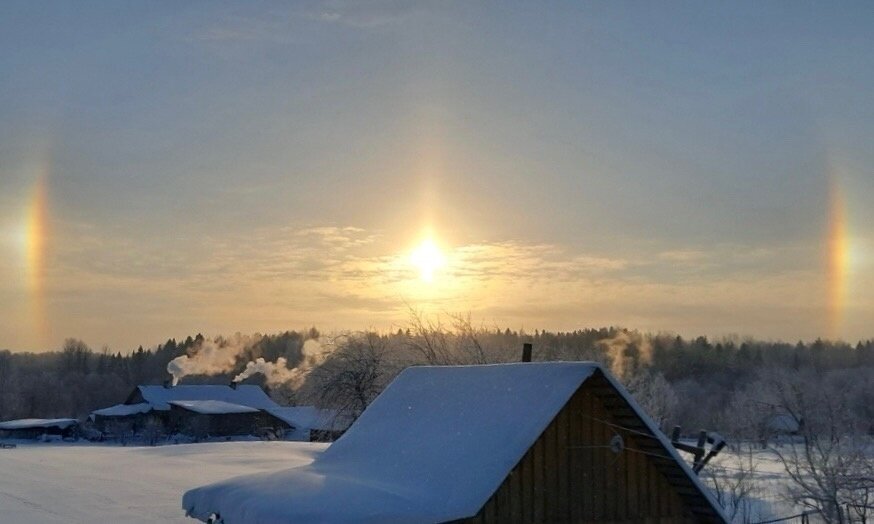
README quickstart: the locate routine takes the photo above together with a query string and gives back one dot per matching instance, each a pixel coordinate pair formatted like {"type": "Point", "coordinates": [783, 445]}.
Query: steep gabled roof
{"type": "Point", "coordinates": [433, 447]}
{"type": "Point", "coordinates": [160, 397]}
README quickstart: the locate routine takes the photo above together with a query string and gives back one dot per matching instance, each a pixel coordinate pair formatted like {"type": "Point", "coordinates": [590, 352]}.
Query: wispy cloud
{"type": "Point", "coordinates": [348, 276]}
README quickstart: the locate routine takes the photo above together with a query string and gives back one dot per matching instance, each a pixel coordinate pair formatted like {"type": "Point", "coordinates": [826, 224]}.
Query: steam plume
{"type": "Point", "coordinates": [213, 357]}
{"type": "Point", "coordinates": [620, 349]}
{"type": "Point", "coordinates": [278, 372]}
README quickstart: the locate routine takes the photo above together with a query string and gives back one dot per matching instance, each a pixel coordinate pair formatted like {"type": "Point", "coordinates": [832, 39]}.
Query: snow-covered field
{"type": "Point", "coordinates": [768, 479]}
{"type": "Point", "coordinates": [86, 483]}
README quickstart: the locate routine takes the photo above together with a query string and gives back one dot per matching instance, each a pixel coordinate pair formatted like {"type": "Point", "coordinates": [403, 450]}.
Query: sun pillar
{"type": "Point", "coordinates": [36, 238]}
{"type": "Point", "coordinates": [837, 252]}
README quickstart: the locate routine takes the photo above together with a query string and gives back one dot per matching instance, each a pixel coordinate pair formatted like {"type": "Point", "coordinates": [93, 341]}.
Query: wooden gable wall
{"type": "Point", "coordinates": [571, 475]}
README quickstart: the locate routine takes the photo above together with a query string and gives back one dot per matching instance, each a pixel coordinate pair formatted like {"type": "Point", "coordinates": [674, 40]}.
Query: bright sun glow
{"type": "Point", "coordinates": [427, 258]}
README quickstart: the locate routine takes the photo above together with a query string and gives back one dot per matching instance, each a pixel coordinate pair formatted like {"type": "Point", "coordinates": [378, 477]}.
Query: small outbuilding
{"type": "Point", "coordinates": [29, 428]}
{"type": "Point", "coordinates": [532, 442]}
{"type": "Point", "coordinates": [133, 414]}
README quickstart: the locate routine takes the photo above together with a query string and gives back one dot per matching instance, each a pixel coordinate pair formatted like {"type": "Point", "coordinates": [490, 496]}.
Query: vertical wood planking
{"type": "Point", "coordinates": [643, 486]}
{"type": "Point", "coordinates": [516, 492]}
{"type": "Point", "coordinates": [607, 463]}
{"type": "Point", "coordinates": [576, 488]}
{"type": "Point", "coordinates": [632, 478]}
{"type": "Point", "coordinates": [560, 496]}
{"type": "Point", "coordinates": [588, 458]}
{"type": "Point", "coordinates": [653, 476]}
{"type": "Point", "coordinates": [562, 478]}
{"type": "Point", "coordinates": [538, 501]}
{"type": "Point", "coordinates": [548, 474]}
{"type": "Point", "coordinates": [528, 487]}
{"type": "Point", "coordinates": [599, 465]}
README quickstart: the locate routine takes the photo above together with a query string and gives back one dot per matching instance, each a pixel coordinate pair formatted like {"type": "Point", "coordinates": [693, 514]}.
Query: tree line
{"type": "Point", "coordinates": [820, 393]}
{"type": "Point", "coordinates": [696, 383]}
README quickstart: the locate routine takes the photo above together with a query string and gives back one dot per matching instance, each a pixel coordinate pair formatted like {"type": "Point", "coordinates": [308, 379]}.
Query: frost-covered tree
{"type": "Point", "coordinates": [733, 485]}
{"type": "Point", "coordinates": [353, 375]}
{"type": "Point", "coordinates": [655, 395]}
{"type": "Point", "coordinates": [829, 462]}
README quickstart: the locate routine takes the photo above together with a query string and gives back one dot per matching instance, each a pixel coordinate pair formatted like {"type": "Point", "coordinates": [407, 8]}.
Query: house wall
{"type": "Point", "coordinates": [136, 421]}
{"type": "Point", "coordinates": [219, 425]}
{"type": "Point", "coordinates": [570, 475]}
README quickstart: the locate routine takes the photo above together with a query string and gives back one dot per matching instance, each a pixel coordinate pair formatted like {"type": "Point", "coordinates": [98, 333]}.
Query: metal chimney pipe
{"type": "Point", "coordinates": [526, 352]}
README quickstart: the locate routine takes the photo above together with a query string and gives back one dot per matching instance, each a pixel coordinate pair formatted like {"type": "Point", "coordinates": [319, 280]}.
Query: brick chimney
{"type": "Point", "coordinates": [526, 352]}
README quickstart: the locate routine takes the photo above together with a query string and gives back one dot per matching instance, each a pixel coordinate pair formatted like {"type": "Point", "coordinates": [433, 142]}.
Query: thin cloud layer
{"type": "Point", "coordinates": [347, 276]}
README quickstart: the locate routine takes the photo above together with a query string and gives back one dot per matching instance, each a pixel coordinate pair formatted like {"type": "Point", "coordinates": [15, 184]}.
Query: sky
{"type": "Point", "coordinates": [168, 168]}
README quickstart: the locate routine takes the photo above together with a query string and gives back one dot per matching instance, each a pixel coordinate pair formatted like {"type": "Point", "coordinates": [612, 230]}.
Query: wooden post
{"type": "Point", "coordinates": [702, 440]}
{"type": "Point", "coordinates": [526, 352]}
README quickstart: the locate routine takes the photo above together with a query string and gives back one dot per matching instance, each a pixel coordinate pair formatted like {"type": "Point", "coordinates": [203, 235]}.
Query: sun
{"type": "Point", "coordinates": [427, 258]}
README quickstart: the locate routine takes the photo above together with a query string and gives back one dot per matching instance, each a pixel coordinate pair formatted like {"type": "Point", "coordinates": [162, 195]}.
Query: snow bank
{"type": "Point", "coordinates": [433, 447]}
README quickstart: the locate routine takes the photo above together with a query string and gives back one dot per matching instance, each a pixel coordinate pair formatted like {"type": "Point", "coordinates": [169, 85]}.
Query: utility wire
{"type": "Point", "coordinates": [613, 425]}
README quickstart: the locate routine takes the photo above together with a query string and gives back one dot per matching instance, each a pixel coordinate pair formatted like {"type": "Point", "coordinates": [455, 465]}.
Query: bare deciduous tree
{"type": "Point", "coordinates": [829, 461]}
{"type": "Point", "coordinates": [353, 375]}
{"type": "Point", "coordinates": [733, 485]}
{"type": "Point", "coordinates": [459, 342]}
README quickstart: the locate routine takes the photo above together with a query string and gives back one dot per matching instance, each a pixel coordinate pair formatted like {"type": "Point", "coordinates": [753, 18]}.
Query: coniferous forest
{"type": "Point", "coordinates": [730, 385]}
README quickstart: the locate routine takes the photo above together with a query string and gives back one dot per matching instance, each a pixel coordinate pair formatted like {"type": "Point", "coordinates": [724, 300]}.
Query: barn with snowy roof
{"type": "Point", "coordinates": [219, 410]}
{"type": "Point", "coordinates": [532, 442]}
{"type": "Point", "coordinates": [204, 409]}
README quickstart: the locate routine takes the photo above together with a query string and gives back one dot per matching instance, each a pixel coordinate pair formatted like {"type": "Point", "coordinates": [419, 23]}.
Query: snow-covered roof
{"type": "Point", "coordinates": [244, 395]}
{"type": "Point", "coordinates": [433, 447]}
{"type": "Point", "coordinates": [38, 423]}
{"type": "Point", "coordinates": [123, 410]}
{"type": "Point", "coordinates": [311, 417]}
{"type": "Point", "coordinates": [212, 407]}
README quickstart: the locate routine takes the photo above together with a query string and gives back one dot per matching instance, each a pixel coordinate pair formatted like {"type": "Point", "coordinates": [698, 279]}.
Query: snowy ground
{"type": "Point", "coordinates": [769, 480]}
{"type": "Point", "coordinates": [85, 483]}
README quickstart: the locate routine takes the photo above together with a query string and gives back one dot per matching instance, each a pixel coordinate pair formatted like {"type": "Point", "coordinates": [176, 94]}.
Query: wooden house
{"type": "Point", "coordinates": [532, 442]}
{"type": "Point", "coordinates": [219, 410]}
{"type": "Point", "coordinates": [208, 409]}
